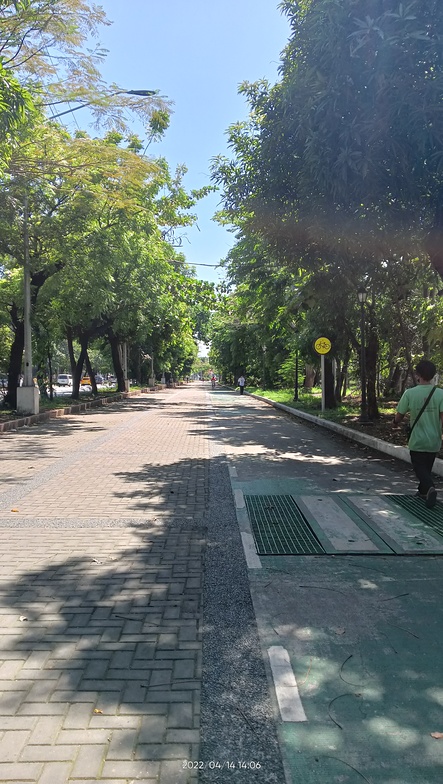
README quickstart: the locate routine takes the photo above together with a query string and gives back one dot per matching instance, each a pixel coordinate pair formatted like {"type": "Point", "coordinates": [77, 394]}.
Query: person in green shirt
{"type": "Point", "coordinates": [425, 440]}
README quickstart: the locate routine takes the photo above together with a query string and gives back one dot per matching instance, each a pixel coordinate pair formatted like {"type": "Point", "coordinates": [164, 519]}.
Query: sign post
{"type": "Point", "coordinates": [322, 346]}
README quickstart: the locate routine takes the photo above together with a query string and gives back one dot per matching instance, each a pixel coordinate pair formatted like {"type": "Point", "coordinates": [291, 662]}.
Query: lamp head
{"type": "Point", "coordinates": [362, 294]}
{"type": "Point", "coordinates": [143, 93]}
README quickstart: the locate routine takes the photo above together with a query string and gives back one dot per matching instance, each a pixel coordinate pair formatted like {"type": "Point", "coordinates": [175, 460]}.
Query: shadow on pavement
{"type": "Point", "coordinates": [364, 640]}
{"type": "Point", "coordinates": [112, 633]}
{"type": "Point", "coordinates": [264, 441]}
{"type": "Point", "coordinates": [179, 487]}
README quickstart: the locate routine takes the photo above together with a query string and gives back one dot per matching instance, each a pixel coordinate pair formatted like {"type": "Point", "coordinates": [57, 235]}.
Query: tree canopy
{"type": "Point", "coordinates": [103, 218]}
{"type": "Point", "coordinates": [335, 180]}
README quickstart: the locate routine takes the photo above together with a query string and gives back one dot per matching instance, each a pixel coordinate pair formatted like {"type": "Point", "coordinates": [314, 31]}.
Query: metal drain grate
{"type": "Point", "coordinates": [432, 517]}
{"type": "Point", "coordinates": [279, 527]}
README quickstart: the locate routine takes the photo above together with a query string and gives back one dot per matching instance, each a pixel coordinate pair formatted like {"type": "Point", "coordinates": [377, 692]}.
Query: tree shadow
{"type": "Point", "coordinates": [365, 649]}
{"type": "Point", "coordinates": [109, 640]}
{"type": "Point", "coordinates": [104, 634]}
{"type": "Point", "coordinates": [263, 440]}
{"type": "Point", "coordinates": [102, 639]}
{"type": "Point", "coordinates": [27, 443]}
{"type": "Point", "coordinates": [178, 487]}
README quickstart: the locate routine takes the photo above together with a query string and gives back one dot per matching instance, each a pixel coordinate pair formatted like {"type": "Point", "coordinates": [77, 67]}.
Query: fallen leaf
{"type": "Point", "coordinates": [14, 510]}
{"type": "Point", "coordinates": [97, 710]}
{"type": "Point", "coordinates": [437, 735]}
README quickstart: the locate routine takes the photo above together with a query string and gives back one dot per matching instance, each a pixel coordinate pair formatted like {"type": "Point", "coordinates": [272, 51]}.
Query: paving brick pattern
{"type": "Point", "coordinates": [100, 617]}
{"type": "Point", "coordinates": [148, 455]}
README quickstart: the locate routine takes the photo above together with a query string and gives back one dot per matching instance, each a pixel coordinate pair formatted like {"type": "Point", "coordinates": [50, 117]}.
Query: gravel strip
{"type": "Point", "coordinates": [237, 721]}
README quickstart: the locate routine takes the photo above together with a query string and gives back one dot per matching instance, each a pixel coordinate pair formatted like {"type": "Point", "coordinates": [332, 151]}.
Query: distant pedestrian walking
{"type": "Point", "coordinates": [424, 403]}
{"type": "Point", "coordinates": [241, 382]}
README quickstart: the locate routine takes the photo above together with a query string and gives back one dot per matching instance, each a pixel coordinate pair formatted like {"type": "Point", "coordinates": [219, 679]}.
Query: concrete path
{"type": "Point", "coordinates": [352, 643]}
{"type": "Point", "coordinates": [142, 637]}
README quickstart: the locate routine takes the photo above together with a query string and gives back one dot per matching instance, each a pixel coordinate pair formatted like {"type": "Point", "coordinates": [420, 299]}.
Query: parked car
{"type": "Point", "coordinates": [86, 381]}
{"type": "Point", "coordinates": [64, 380]}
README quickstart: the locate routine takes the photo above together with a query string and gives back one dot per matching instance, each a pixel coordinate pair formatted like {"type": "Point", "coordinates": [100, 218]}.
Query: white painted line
{"type": "Point", "coordinates": [286, 689]}
{"type": "Point", "coordinates": [239, 499]}
{"type": "Point", "coordinates": [252, 559]}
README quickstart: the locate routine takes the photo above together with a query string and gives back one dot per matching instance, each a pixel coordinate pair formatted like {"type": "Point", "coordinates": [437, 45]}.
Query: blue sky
{"type": "Point", "coordinates": [196, 53]}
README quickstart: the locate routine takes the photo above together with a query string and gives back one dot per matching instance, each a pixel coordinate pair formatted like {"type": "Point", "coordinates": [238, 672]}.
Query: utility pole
{"type": "Point", "coordinates": [27, 394]}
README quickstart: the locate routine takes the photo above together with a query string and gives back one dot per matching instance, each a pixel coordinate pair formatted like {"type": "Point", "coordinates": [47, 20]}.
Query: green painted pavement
{"type": "Point", "coordinates": [365, 644]}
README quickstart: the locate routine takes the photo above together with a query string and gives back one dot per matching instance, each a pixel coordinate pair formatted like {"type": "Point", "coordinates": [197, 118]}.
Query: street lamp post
{"type": "Point", "coordinates": [28, 393]}
{"type": "Point", "coordinates": [362, 294]}
{"type": "Point", "coordinates": [141, 93]}
{"type": "Point", "coordinates": [151, 380]}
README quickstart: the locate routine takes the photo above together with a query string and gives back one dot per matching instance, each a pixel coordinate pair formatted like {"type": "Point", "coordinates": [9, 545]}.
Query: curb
{"type": "Point", "coordinates": [33, 419]}
{"type": "Point", "coordinates": [393, 450]}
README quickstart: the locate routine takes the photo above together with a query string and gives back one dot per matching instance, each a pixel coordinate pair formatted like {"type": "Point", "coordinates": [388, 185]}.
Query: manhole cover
{"type": "Point", "coordinates": [279, 527]}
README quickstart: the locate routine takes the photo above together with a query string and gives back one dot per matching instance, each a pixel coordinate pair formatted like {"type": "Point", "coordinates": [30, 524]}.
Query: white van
{"type": "Point", "coordinates": [64, 380]}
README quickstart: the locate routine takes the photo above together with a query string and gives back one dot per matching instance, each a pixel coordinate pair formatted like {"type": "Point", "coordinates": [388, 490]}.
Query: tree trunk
{"type": "Point", "coordinates": [117, 360]}
{"type": "Point", "coordinates": [330, 401]}
{"type": "Point", "coordinates": [77, 374]}
{"type": "Point", "coordinates": [344, 376]}
{"type": "Point", "coordinates": [391, 386]}
{"type": "Point", "coordinates": [138, 361]}
{"type": "Point", "coordinates": [51, 377]}
{"type": "Point", "coordinates": [15, 359]}
{"type": "Point", "coordinates": [405, 342]}
{"type": "Point", "coordinates": [72, 361]}
{"type": "Point", "coordinates": [403, 381]}
{"type": "Point", "coordinates": [338, 380]}
{"type": "Point", "coordinates": [296, 378]}
{"type": "Point", "coordinates": [371, 373]}
{"type": "Point", "coordinates": [90, 370]}
{"type": "Point", "coordinates": [308, 381]}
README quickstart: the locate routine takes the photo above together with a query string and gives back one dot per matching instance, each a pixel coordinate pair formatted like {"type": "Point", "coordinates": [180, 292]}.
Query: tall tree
{"type": "Point", "coordinates": [352, 136]}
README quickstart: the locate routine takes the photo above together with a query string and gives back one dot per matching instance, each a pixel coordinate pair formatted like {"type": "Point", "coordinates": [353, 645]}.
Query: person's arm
{"type": "Point", "coordinates": [402, 409]}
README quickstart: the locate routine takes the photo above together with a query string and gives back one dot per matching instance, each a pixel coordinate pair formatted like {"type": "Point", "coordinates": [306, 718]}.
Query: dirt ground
{"type": "Point", "coordinates": [384, 429]}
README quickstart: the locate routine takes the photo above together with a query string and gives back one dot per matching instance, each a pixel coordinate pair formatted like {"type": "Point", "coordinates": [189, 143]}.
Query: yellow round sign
{"type": "Point", "coordinates": [322, 345]}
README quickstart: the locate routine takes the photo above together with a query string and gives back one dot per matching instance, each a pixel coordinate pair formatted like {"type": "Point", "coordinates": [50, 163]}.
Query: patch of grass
{"type": "Point", "coordinates": [310, 402]}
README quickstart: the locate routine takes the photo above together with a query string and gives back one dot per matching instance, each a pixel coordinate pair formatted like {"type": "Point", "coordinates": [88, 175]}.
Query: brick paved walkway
{"type": "Point", "coordinates": [100, 593]}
